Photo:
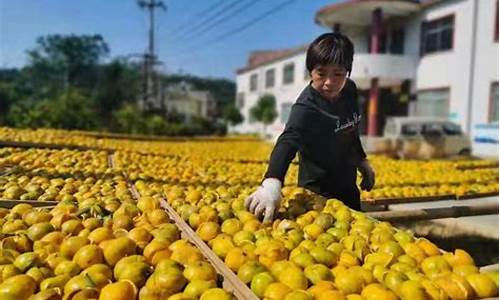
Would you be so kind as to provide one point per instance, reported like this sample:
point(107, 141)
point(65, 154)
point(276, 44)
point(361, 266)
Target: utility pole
point(150, 91)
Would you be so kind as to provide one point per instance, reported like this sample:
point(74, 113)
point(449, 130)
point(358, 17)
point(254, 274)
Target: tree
point(119, 82)
point(59, 61)
point(264, 111)
point(232, 115)
point(71, 110)
point(128, 119)
point(74, 110)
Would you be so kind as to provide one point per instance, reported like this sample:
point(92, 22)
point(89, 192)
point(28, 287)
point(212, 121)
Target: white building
point(432, 58)
point(185, 100)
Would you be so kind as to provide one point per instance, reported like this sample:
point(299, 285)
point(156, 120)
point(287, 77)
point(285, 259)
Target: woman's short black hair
point(330, 48)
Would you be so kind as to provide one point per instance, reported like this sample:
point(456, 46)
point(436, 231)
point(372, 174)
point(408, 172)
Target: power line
point(201, 13)
point(237, 30)
point(208, 18)
point(222, 20)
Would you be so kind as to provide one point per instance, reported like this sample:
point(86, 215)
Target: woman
point(323, 129)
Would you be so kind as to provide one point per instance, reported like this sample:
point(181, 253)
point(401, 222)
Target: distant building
point(417, 58)
point(183, 99)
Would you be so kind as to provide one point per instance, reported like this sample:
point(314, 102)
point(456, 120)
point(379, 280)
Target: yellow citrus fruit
point(349, 282)
point(376, 291)
point(121, 290)
point(216, 294)
point(276, 291)
point(429, 248)
point(208, 231)
point(320, 287)
point(483, 285)
point(331, 295)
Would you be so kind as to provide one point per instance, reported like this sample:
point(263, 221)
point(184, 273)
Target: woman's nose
point(329, 80)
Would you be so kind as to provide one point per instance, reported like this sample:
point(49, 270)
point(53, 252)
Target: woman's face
point(328, 80)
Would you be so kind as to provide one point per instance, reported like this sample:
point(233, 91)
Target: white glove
point(265, 200)
point(368, 175)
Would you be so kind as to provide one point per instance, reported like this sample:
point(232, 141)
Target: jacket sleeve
point(287, 145)
point(359, 152)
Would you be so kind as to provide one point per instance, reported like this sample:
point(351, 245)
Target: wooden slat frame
point(388, 201)
point(435, 213)
point(9, 203)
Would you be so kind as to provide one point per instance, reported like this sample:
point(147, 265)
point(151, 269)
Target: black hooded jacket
point(325, 134)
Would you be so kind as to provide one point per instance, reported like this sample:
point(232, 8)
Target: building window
point(493, 105)
point(397, 41)
point(288, 73)
point(270, 78)
point(240, 100)
point(253, 82)
point(437, 35)
point(495, 35)
point(433, 103)
point(285, 112)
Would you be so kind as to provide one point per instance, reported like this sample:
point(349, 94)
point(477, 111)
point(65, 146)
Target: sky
point(185, 39)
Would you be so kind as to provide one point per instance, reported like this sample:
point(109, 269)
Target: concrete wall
point(485, 73)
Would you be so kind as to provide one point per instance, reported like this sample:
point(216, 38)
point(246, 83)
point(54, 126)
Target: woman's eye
point(321, 75)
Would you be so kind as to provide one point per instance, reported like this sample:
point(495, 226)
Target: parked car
point(442, 135)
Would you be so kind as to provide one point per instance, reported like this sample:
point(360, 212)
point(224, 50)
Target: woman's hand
point(265, 201)
point(368, 174)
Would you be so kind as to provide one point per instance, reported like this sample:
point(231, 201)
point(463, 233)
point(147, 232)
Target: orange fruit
point(483, 285)
point(276, 291)
point(121, 290)
point(429, 248)
point(208, 230)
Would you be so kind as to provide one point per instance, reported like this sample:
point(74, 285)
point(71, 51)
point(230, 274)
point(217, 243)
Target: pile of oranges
point(102, 241)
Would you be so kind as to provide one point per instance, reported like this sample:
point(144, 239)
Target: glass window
point(493, 111)
point(437, 35)
point(433, 103)
point(269, 78)
point(240, 100)
point(410, 129)
point(288, 73)
point(285, 112)
point(397, 41)
point(253, 82)
point(432, 129)
point(452, 129)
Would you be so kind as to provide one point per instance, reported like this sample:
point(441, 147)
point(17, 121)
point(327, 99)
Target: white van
point(448, 135)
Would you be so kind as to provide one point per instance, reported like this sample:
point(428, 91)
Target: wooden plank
point(231, 282)
point(9, 203)
point(387, 201)
point(141, 137)
point(43, 145)
point(111, 159)
point(475, 196)
point(131, 187)
point(487, 166)
point(435, 213)
point(7, 171)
